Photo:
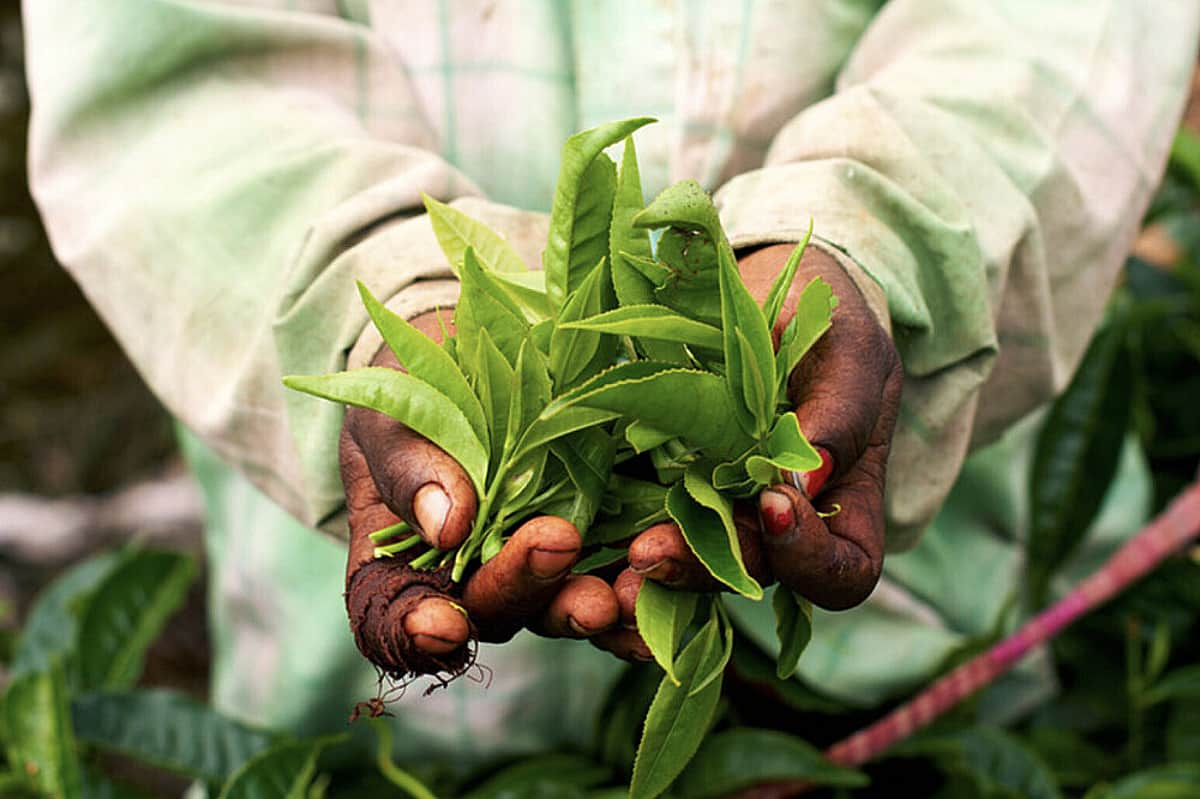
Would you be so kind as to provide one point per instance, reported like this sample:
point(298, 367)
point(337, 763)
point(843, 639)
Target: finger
point(437, 626)
point(414, 478)
point(625, 644)
point(586, 605)
point(365, 507)
point(662, 554)
point(626, 588)
point(513, 588)
point(838, 387)
point(835, 561)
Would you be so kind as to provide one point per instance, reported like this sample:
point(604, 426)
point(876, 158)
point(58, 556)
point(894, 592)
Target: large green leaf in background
point(282, 772)
point(1077, 454)
point(37, 732)
point(992, 760)
point(1172, 781)
point(548, 775)
point(741, 757)
point(125, 615)
point(168, 730)
point(52, 625)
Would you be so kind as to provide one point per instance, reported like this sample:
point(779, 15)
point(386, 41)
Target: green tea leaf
point(522, 483)
point(662, 617)
point(38, 738)
point(409, 400)
point(495, 384)
point(712, 666)
point(644, 438)
point(656, 273)
point(642, 504)
point(683, 205)
point(793, 624)
point(692, 286)
point(1182, 683)
point(168, 730)
point(652, 321)
point(752, 665)
point(754, 384)
point(560, 422)
point(773, 304)
point(1076, 455)
point(587, 456)
point(484, 305)
point(605, 556)
point(691, 404)
point(731, 476)
point(706, 519)
point(579, 217)
point(623, 712)
point(744, 326)
point(625, 240)
point(788, 448)
point(814, 312)
point(1171, 781)
point(126, 613)
point(425, 360)
point(676, 722)
point(546, 776)
point(995, 761)
point(578, 353)
point(528, 289)
point(737, 759)
point(51, 629)
point(533, 391)
point(456, 232)
point(282, 772)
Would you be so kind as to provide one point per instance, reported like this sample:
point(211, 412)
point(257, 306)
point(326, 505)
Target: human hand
point(408, 621)
point(846, 392)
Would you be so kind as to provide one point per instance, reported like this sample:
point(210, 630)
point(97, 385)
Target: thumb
point(415, 478)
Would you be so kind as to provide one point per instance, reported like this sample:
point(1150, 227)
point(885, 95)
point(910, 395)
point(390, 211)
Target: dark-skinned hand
point(846, 392)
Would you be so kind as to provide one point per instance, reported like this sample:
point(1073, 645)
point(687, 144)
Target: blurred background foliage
point(105, 656)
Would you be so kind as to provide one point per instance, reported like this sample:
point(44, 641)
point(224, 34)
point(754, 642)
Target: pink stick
point(1166, 534)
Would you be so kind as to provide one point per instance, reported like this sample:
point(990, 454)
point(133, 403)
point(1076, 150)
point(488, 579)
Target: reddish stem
point(1166, 534)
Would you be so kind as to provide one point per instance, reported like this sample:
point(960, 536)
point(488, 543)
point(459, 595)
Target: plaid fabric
point(216, 173)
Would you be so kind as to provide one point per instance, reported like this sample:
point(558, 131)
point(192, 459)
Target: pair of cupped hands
point(846, 393)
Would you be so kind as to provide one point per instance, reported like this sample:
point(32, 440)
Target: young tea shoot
point(616, 353)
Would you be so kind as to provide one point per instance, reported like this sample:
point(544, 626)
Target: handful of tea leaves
point(616, 351)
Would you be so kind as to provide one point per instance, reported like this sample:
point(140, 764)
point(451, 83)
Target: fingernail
point(436, 626)
point(577, 627)
point(662, 571)
point(550, 564)
point(431, 505)
point(778, 515)
point(812, 482)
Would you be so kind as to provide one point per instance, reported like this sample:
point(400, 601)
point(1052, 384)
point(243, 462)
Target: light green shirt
point(217, 174)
